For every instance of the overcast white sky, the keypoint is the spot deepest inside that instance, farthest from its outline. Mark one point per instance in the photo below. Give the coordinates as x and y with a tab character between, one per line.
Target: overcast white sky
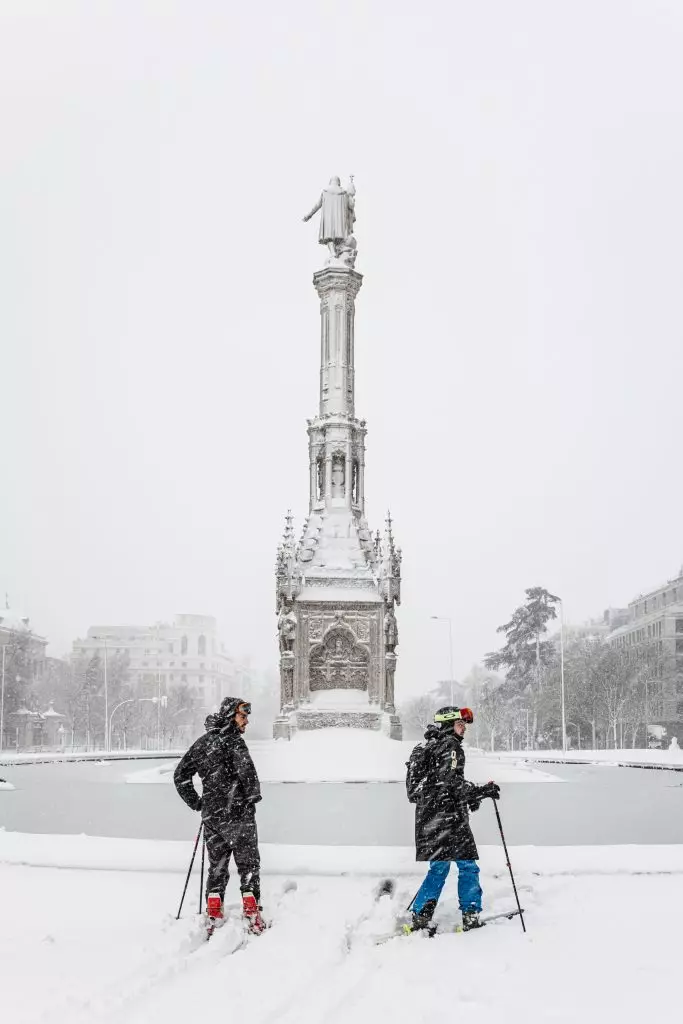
519	169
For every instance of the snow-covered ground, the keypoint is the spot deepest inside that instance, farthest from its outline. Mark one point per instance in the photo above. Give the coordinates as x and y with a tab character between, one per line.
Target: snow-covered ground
626	755
349	755
77	945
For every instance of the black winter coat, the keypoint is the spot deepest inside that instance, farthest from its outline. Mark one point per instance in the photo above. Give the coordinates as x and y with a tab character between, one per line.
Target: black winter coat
230	785
442	826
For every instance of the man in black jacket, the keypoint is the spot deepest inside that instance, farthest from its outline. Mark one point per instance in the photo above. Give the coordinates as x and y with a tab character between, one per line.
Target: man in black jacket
230	791
443	797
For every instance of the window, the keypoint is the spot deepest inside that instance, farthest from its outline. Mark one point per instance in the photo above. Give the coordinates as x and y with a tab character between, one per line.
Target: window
679	709
679	625
201	680
184	664
201	665
201	646
183	679
183	645
146	650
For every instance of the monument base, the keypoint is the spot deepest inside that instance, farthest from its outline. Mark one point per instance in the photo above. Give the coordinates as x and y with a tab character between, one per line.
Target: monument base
338	709
283	728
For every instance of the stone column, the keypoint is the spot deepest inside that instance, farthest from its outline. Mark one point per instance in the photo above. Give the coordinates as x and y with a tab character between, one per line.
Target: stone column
337	288
282	726
395	727
389	672
313	483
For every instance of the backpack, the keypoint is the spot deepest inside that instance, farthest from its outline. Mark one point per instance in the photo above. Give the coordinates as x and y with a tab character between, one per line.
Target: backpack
420	769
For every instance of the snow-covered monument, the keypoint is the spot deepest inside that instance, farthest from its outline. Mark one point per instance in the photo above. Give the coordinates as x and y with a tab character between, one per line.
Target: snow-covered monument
337	587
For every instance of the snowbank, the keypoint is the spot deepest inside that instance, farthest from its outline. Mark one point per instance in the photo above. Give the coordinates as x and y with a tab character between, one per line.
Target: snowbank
5	785
109	854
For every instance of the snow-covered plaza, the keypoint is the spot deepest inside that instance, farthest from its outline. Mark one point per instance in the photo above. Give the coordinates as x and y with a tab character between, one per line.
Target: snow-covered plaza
80	942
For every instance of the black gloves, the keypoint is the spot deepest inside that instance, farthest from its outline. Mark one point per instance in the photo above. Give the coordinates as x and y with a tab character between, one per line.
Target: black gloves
491	789
474	803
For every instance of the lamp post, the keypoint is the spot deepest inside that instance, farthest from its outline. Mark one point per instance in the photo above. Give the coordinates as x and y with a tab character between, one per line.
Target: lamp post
578	733
446	618
130	700
162	701
106	690
564	723
2	701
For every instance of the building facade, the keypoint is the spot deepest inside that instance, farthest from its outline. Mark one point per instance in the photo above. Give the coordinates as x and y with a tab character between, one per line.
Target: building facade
338	586
16	627
655	621
164	657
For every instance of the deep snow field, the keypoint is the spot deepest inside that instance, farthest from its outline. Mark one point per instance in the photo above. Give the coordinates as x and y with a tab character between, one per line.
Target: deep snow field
88	944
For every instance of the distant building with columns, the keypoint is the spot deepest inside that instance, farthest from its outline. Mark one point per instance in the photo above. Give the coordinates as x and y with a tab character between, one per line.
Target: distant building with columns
167	656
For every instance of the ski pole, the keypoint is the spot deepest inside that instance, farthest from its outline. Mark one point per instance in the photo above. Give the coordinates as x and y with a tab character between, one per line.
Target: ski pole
201	875
189	872
413	900
507	858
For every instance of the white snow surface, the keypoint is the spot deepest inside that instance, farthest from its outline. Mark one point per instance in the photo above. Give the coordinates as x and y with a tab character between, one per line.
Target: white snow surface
351	755
625	755
5	785
102	946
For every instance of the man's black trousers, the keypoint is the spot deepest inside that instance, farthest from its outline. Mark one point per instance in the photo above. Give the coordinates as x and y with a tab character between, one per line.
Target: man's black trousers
239	839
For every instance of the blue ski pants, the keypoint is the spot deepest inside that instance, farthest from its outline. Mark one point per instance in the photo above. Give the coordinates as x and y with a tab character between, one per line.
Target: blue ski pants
469	890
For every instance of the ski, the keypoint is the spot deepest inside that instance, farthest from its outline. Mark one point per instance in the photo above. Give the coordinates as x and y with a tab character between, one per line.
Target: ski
485	918
403	926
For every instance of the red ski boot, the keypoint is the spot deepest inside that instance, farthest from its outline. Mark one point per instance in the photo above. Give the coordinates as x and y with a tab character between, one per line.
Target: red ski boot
214	912
252	914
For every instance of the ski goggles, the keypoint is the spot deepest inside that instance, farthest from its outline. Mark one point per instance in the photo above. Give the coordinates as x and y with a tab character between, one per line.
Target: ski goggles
461	715
243	709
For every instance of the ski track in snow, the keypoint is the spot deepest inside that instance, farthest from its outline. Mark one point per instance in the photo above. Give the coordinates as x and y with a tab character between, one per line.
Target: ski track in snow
107	950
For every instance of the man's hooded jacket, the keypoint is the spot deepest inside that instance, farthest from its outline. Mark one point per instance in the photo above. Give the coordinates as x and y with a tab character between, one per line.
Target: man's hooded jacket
221	759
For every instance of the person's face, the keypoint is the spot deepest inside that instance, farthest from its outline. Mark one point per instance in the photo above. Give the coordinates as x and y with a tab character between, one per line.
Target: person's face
242	719
459	728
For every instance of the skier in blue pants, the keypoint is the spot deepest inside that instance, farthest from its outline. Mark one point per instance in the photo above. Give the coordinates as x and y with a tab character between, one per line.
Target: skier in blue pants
436	784
469	889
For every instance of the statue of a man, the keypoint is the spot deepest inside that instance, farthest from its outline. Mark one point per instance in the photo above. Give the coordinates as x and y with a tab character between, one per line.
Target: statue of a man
286	625
390	630
337	217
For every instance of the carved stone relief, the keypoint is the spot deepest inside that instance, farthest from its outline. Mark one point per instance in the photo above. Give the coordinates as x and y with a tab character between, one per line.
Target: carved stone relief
339	663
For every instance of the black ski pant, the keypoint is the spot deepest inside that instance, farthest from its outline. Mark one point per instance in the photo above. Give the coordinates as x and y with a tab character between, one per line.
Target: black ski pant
240	840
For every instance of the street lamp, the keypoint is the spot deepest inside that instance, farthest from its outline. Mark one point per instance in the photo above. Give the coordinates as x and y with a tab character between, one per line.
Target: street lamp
564	724
2	700
446	618
106	689
130	700
578	733
526	711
